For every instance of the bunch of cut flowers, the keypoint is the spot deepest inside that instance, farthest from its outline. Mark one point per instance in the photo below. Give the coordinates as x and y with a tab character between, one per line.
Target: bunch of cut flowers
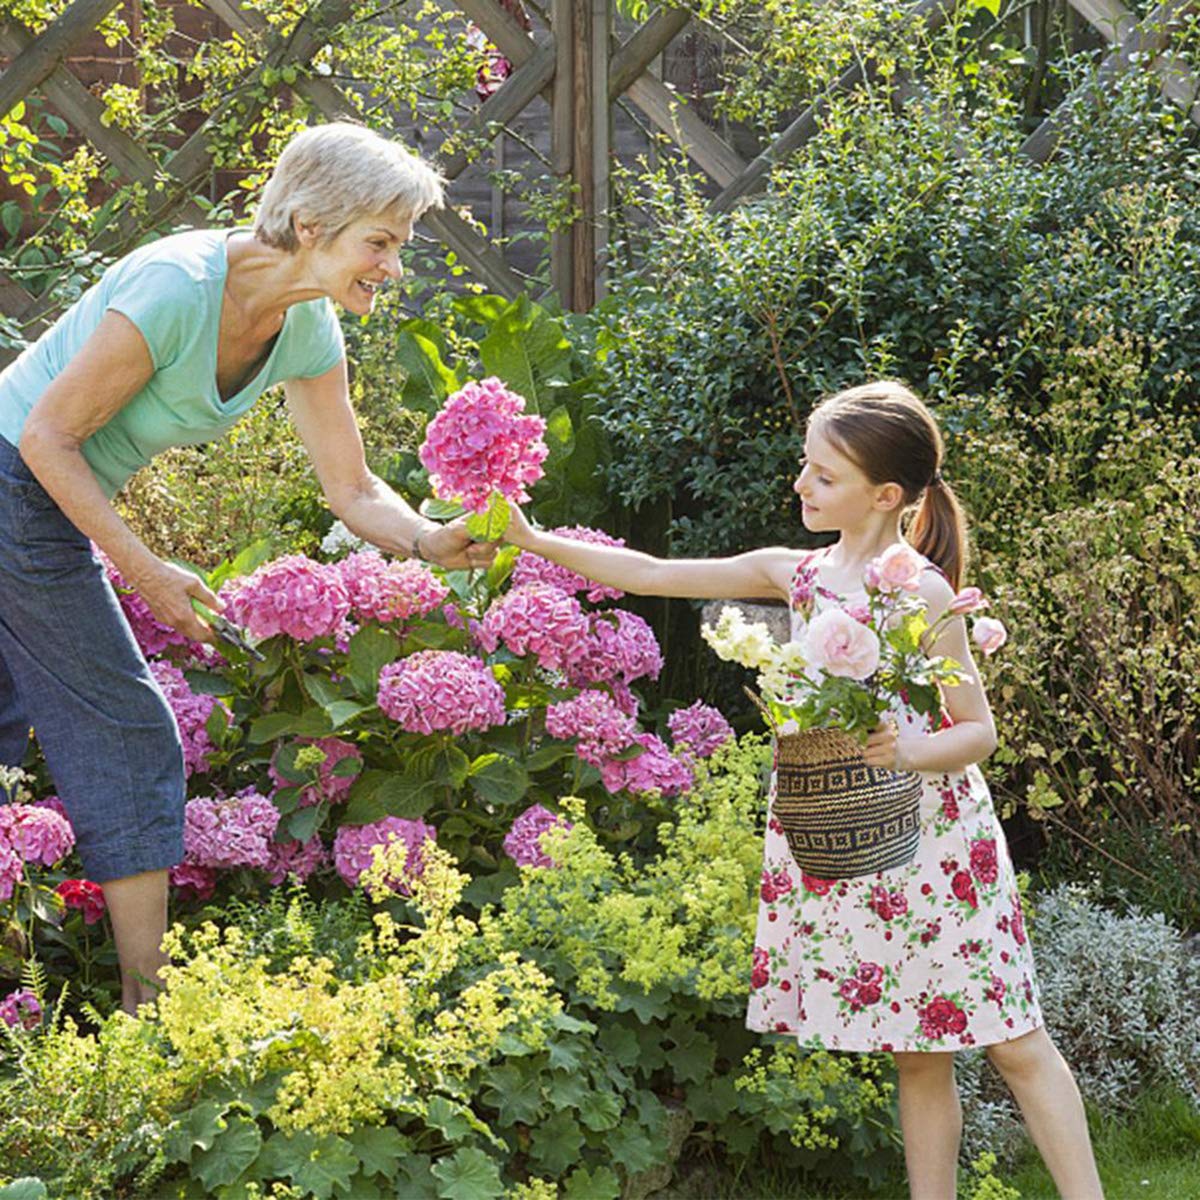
854	659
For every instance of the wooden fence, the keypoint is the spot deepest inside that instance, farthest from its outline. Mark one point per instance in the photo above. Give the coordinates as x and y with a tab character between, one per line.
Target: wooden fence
575	63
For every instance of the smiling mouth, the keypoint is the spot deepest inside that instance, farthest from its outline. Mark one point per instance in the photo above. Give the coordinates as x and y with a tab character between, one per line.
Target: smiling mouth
370	286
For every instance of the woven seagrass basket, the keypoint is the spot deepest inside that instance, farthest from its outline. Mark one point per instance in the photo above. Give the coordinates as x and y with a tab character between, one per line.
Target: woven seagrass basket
843	818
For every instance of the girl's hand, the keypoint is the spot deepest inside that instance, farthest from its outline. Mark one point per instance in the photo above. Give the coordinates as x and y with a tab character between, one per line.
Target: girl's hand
883	746
519	532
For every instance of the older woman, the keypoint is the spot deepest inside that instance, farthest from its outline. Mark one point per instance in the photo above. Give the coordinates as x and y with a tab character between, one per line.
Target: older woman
173	344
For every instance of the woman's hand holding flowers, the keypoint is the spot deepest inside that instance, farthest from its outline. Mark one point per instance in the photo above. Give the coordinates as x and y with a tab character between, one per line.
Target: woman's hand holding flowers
452	546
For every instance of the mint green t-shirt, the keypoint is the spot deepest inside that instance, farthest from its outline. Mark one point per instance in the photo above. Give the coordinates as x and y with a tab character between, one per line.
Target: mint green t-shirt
172	290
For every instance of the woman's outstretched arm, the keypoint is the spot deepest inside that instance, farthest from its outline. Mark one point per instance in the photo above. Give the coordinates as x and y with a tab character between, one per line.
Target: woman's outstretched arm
763	574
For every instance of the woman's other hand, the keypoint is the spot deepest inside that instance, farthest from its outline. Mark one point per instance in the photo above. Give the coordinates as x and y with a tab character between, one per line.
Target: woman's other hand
883	746
452	547
169	591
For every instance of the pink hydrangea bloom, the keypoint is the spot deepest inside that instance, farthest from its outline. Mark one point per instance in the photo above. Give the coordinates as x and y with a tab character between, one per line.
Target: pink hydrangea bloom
354	848
596	720
482	442
12	868
523	842
619	646
293	595
37	833
701	728
655	770
233	832
536	619
386	591
54	804
295	858
441	689
21	1008
194	880
530	568
191	710
329	787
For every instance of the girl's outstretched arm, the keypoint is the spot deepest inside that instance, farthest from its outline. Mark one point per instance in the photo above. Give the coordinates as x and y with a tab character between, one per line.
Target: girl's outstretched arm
972	737
761	574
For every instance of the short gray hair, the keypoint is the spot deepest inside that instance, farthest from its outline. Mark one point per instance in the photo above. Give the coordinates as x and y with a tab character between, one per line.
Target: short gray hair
332	175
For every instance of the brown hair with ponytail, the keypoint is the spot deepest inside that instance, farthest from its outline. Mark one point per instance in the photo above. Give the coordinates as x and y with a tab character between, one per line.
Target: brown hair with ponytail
889	434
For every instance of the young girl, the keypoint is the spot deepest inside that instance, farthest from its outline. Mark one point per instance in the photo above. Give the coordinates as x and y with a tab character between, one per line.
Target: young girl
927	958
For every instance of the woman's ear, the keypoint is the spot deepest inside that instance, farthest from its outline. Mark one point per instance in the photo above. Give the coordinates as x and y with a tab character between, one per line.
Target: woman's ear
307	232
888	496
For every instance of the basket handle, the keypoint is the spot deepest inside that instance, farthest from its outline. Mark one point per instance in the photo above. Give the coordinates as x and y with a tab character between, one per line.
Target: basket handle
762	708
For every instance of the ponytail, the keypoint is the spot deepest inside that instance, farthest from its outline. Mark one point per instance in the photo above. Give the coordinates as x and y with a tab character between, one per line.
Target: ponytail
938	530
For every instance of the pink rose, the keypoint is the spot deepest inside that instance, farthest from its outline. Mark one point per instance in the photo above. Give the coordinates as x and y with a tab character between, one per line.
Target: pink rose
989	634
983	860
838	644
969	600
899	569
760	971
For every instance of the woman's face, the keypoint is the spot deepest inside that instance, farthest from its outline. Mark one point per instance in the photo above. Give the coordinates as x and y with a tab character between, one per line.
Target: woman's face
351	268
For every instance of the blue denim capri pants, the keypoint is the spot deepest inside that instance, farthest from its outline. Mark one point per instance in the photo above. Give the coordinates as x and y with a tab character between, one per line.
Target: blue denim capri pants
70	668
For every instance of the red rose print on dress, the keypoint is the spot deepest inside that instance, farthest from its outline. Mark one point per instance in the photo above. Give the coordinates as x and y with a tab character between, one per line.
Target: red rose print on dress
761	970
864	987
964	889
983	860
818	887
886	905
941	1017
1018	923
775	884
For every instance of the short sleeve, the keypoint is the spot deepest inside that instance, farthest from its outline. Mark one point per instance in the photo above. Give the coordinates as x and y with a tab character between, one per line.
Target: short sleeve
163	302
318	340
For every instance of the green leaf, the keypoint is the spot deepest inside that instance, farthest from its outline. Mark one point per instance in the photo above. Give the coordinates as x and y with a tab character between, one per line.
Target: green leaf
516	1094
469	1174
313	722
620	1043
526	345
600	1184
379	1148
199	1126
548	755
322	1164
489	526
253	556
416	1180
342	712
302	824
556	1142
25	1188
371	649
497	779
427	380
453	766
631	1145
441	510
206	683
567	1053
322	689
452	1119
694	1054
567	1089
235	1148
600	1110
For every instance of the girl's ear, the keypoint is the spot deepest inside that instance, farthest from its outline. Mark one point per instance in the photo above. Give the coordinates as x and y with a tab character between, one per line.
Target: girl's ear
888	496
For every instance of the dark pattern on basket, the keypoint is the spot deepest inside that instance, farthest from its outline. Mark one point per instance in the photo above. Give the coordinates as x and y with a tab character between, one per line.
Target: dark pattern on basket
843	818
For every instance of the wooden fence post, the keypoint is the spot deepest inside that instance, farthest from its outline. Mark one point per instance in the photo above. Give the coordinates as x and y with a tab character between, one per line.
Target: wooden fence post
562	141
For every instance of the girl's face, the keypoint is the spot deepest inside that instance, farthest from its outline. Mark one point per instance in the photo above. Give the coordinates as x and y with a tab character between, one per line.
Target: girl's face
363	256
835	494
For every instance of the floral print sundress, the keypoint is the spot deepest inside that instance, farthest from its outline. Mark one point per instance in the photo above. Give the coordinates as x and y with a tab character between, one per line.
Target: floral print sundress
929	956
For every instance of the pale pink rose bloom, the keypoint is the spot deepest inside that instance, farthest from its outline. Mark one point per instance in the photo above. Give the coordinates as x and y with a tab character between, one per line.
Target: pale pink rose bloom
871	574
989	634
840	645
899	568
969	600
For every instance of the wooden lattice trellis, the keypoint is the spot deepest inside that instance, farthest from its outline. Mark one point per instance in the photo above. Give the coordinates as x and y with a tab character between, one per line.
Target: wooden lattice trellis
577	65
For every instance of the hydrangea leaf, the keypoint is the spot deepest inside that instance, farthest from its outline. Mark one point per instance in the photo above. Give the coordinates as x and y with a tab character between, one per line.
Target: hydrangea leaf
234	1149
600	1184
547	756
489	525
428	381
469	1174
555	1143
371	649
497	779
